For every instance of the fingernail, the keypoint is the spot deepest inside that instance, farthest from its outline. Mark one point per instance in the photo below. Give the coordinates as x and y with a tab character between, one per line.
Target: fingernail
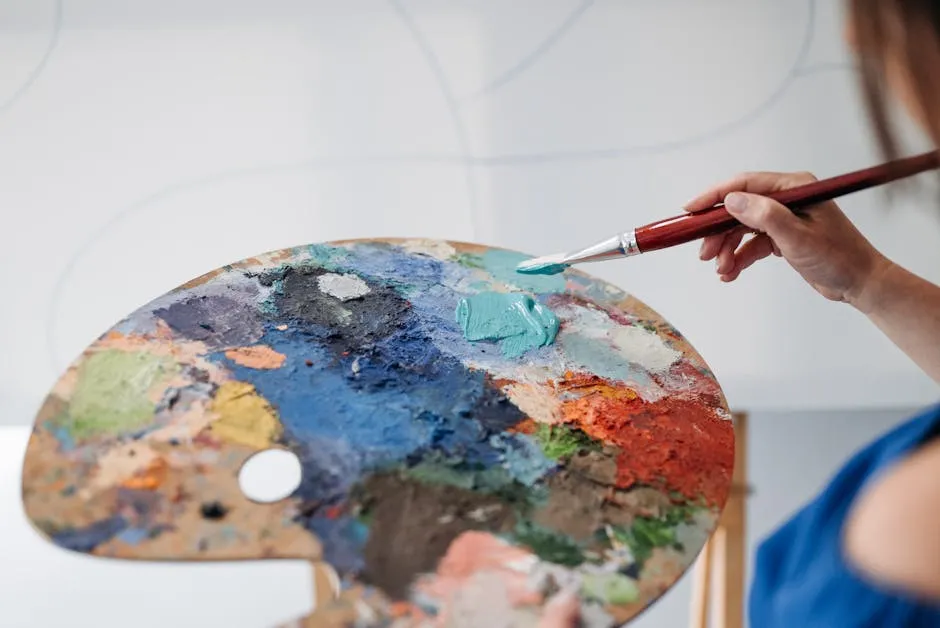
735	203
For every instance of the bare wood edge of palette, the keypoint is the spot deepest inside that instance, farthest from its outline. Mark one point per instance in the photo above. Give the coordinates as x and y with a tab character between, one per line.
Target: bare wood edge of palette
719	579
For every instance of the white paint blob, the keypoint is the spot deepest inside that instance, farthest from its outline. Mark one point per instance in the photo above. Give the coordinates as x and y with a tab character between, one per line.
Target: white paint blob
431	248
637	345
270	475
343	287
644	348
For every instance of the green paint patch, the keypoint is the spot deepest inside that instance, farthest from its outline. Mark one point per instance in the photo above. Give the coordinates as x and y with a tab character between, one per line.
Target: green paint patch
489	480
610	588
111	396
502	265
548	545
469	260
563	441
648	533
516	321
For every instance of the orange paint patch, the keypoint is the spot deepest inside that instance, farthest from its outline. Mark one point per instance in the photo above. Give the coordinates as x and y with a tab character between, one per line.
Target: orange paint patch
526	426
674	444
150	478
256	357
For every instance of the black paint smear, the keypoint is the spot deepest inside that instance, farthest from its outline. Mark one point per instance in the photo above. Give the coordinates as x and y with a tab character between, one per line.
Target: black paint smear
494	411
215	320
342	326
412	525
213	511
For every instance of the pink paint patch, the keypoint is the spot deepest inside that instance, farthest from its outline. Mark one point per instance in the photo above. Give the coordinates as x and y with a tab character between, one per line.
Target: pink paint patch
475	553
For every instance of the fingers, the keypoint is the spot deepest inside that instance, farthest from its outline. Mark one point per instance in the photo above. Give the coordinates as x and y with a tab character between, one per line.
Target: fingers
766	216
562	611
728	247
754	250
752	182
712	245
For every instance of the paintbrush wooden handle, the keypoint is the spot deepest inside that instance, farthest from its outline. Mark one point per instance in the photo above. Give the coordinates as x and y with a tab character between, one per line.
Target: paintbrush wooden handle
696	225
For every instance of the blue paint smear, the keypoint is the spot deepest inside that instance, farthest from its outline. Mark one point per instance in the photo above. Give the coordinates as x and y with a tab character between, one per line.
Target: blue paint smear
388	264
88	538
343	540
133	536
523	457
376	409
62	435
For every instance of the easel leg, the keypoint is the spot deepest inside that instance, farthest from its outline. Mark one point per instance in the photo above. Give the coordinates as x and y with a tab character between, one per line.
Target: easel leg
725	552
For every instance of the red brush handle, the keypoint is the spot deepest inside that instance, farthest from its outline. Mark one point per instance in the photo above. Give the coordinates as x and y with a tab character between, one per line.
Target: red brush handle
696	225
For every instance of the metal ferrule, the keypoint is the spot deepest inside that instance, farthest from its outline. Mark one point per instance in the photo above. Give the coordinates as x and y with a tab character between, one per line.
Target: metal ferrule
623	245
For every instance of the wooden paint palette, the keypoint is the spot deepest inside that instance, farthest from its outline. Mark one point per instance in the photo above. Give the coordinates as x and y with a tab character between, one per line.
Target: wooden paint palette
443	479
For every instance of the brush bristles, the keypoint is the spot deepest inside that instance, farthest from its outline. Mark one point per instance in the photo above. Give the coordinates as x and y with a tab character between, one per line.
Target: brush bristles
548	265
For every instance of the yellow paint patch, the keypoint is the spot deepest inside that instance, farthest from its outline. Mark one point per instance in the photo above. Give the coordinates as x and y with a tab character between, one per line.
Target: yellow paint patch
256	357
244	416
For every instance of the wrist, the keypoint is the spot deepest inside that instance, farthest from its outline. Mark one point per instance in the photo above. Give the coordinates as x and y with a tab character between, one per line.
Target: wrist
871	293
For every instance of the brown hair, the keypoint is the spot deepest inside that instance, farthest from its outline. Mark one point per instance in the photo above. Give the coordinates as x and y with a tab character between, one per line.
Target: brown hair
897	43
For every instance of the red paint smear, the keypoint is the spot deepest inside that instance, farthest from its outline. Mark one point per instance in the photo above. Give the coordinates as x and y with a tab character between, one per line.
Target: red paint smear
334	512
676	444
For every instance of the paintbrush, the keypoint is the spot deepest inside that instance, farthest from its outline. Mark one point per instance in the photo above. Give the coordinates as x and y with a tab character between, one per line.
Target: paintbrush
699	224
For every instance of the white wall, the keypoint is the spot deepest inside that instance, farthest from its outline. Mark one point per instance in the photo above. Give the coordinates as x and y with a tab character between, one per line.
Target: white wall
142	144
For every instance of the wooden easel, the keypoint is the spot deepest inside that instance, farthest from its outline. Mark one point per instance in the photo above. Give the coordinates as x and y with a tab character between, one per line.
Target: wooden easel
724	557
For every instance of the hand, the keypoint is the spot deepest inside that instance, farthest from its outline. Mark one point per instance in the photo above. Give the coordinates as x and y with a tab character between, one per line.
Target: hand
821	244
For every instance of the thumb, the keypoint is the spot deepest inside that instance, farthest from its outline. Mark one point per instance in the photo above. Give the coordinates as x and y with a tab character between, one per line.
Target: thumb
764	214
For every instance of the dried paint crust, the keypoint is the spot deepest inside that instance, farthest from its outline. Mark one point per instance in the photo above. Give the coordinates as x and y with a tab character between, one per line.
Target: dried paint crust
441	478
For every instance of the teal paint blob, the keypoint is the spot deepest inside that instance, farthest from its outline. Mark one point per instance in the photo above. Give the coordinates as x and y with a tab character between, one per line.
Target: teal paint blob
502	265
326	256
517	321
546	268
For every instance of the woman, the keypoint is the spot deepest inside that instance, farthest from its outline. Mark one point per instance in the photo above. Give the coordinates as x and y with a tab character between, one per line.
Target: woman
866	551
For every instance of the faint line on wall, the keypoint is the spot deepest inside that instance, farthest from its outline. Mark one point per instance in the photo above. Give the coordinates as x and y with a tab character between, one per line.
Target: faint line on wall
447	92
664	147
530	59
53	312
37	71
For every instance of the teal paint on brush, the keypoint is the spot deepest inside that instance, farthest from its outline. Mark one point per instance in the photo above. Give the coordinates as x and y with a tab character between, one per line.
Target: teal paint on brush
516	321
548	268
502	265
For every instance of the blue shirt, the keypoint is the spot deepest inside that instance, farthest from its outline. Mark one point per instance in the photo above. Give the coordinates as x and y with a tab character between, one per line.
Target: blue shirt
801	576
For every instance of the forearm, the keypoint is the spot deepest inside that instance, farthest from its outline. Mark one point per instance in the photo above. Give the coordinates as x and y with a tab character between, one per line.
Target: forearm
907	309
